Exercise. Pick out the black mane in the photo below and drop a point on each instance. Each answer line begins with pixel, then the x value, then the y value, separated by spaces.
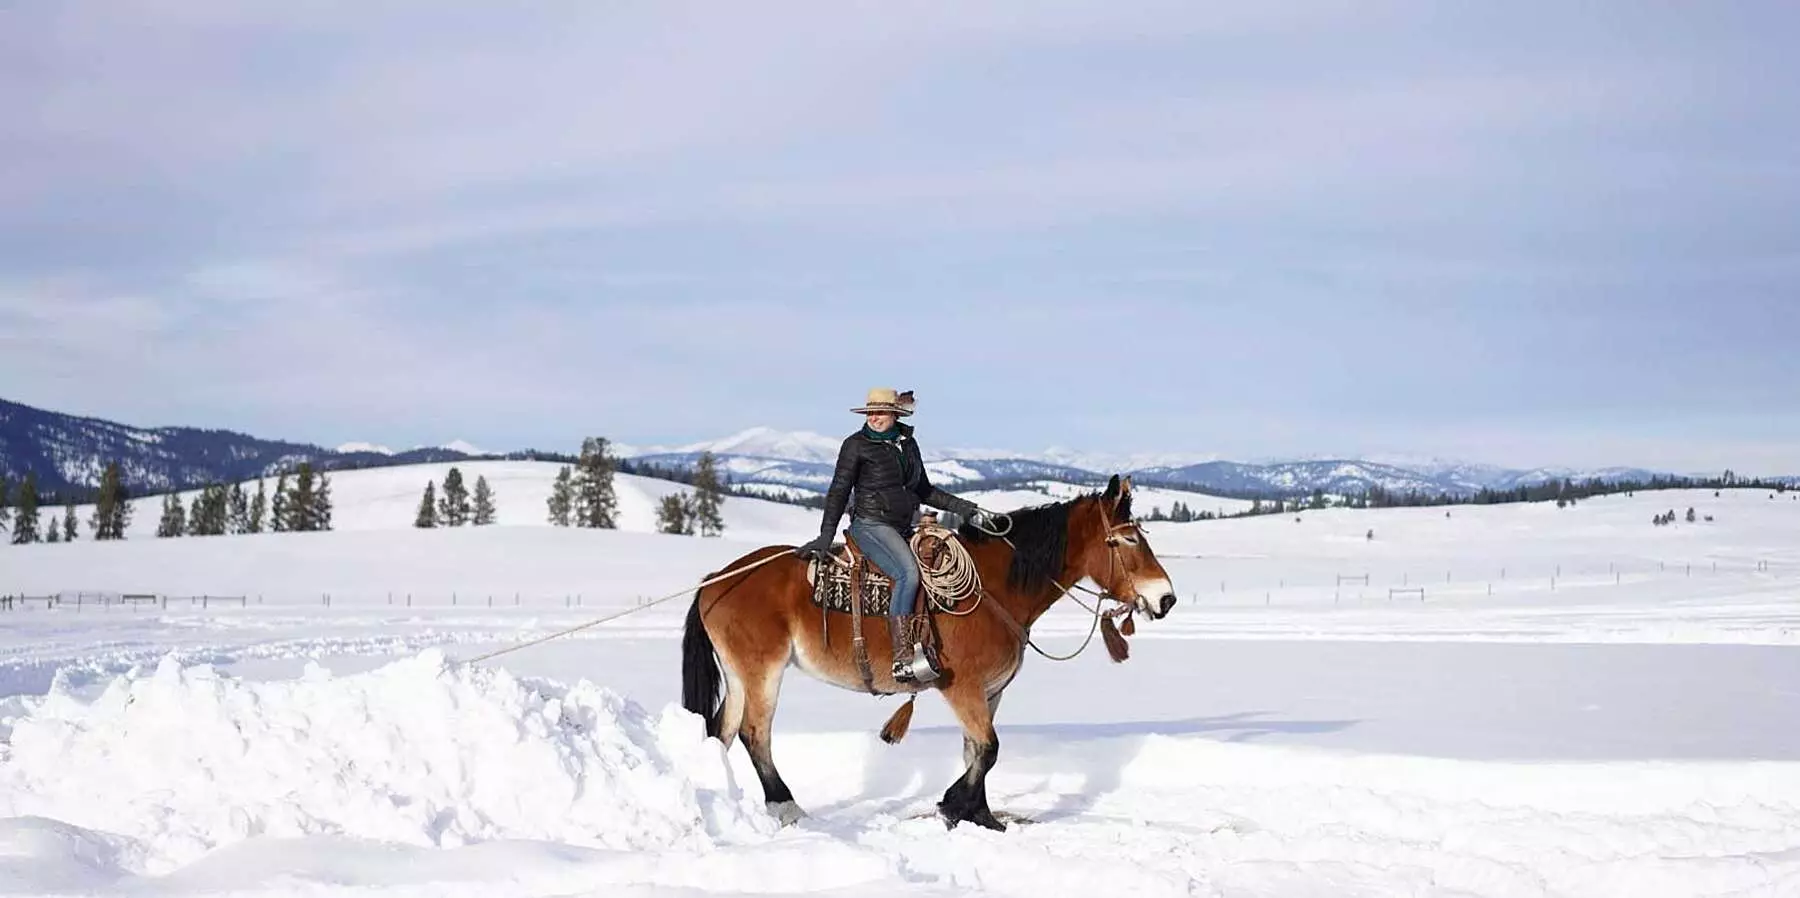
pixel 1040 537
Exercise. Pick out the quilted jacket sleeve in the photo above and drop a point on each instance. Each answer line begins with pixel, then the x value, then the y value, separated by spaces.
pixel 837 496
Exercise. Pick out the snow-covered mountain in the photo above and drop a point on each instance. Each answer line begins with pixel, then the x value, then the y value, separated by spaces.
pixel 1333 476
pixel 803 460
pixel 66 451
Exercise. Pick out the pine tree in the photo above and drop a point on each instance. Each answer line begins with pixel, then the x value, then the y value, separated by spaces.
pixel 672 514
pixel 52 531
pixel 25 516
pixel 1690 514
pixel 259 509
pixel 595 504
pixel 196 513
pixel 707 497
pixel 112 507
pixel 218 509
pixel 484 503
pixel 321 505
pixel 300 500
pixel 68 522
pixel 278 507
pixel 453 500
pixel 427 516
pixel 6 512
pixel 562 498
pixel 239 514
pixel 174 519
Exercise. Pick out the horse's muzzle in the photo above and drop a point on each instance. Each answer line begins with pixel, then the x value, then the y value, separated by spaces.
pixel 1159 608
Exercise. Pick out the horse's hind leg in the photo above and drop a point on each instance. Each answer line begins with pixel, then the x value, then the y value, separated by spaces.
pixel 966 799
pixel 760 689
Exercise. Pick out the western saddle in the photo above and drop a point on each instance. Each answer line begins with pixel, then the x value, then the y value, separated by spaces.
pixel 847 582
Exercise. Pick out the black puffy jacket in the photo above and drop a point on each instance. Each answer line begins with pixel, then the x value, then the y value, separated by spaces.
pixel 889 481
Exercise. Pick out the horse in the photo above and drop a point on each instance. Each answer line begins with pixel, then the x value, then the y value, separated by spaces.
pixel 743 632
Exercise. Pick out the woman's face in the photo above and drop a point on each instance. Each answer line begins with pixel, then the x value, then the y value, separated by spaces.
pixel 880 421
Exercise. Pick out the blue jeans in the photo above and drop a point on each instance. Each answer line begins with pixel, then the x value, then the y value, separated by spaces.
pixel 889 550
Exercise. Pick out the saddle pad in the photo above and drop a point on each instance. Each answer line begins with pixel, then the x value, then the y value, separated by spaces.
pixel 831 589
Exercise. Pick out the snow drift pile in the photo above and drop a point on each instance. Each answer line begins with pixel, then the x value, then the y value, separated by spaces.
pixel 423 751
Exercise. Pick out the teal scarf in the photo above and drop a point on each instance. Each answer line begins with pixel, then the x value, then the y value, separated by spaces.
pixel 888 436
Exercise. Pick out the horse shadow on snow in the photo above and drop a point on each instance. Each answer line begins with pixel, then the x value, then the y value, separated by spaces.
pixel 908 778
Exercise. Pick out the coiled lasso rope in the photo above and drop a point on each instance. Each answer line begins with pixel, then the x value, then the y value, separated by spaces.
pixel 950 576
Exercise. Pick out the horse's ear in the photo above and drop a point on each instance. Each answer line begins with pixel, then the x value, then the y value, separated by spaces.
pixel 1112 489
pixel 1125 485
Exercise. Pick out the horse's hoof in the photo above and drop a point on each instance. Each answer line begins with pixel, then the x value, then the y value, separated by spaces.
pixel 787 813
pixel 980 817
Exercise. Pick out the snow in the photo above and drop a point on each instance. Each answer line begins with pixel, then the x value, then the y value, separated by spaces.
pixel 180 761
pixel 388 498
pixel 464 447
pixel 364 447
pixel 1625 729
pixel 760 443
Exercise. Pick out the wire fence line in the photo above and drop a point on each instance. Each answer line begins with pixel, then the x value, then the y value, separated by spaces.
pixel 1240 584
pixel 78 601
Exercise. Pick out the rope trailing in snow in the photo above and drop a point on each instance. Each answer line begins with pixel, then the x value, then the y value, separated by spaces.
pixel 686 590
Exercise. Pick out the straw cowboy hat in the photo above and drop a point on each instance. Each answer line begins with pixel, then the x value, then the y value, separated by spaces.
pixel 887 399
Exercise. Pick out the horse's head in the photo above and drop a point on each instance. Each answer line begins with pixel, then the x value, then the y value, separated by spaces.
pixel 1116 554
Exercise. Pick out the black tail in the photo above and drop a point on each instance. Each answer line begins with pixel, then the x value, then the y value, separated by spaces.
pixel 700 680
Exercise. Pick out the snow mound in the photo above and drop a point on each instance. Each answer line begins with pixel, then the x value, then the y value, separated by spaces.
pixel 423 751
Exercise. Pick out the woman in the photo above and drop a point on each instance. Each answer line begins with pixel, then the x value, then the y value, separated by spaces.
pixel 882 464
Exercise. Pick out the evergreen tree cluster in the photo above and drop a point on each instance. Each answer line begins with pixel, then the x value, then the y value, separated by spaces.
pixel 686 513
pixel 218 510
pixel 454 506
pixel 1179 513
pixel 583 494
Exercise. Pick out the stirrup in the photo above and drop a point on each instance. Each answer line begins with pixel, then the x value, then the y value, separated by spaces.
pixel 918 670
pixel 912 661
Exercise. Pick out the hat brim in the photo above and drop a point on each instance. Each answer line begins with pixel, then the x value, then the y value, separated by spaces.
pixel 891 409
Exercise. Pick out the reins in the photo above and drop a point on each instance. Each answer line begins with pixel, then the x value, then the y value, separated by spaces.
pixel 1024 633
pixel 954 575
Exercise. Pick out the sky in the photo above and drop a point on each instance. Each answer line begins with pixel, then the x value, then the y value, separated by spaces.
pixel 1523 234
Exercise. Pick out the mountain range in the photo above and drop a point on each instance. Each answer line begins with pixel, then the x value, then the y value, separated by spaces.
pixel 68 451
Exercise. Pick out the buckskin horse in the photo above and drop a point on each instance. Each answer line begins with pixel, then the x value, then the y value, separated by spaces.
pixel 742 633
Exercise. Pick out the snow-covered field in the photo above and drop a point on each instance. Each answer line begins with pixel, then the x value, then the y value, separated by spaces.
pixel 1578 703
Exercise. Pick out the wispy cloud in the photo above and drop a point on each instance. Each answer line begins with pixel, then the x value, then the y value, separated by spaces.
pixel 1143 227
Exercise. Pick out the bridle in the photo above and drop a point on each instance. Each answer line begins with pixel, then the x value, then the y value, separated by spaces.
pixel 1116 536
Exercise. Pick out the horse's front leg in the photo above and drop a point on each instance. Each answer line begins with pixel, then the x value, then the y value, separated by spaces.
pixel 966 799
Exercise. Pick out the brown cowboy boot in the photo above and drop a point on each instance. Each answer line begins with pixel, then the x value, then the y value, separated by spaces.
pixel 912 664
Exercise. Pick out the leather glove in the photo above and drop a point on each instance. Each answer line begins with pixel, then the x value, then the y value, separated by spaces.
pixel 820 547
